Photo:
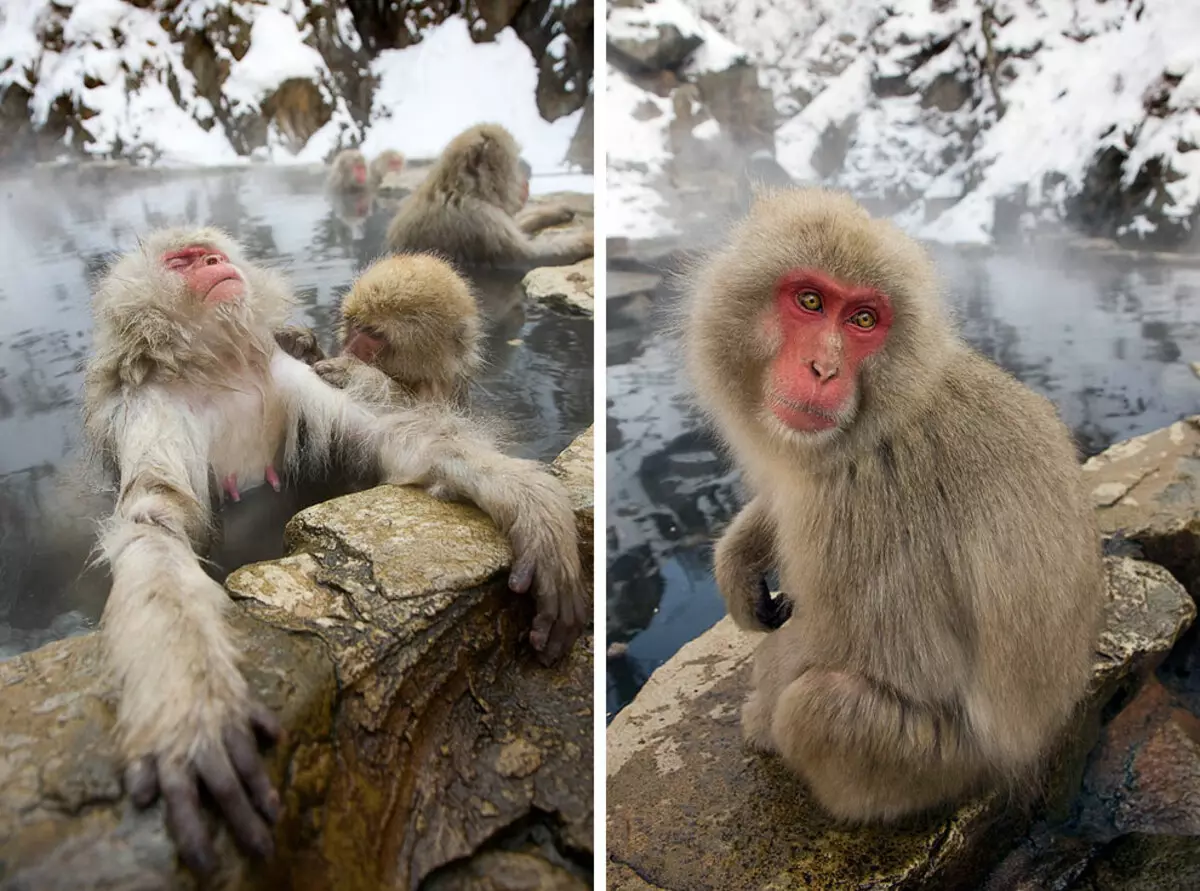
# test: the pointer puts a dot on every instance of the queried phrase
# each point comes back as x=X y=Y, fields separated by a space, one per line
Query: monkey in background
x=348 y=173
x=925 y=512
x=388 y=161
x=465 y=209
x=187 y=384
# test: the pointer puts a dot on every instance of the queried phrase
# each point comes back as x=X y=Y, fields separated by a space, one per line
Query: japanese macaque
x=388 y=161
x=187 y=385
x=410 y=333
x=924 y=510
x=349 y=172
x=465 y=209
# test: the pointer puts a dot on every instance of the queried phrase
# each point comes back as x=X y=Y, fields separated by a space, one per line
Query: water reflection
x=58 y=229
x=1107 y=340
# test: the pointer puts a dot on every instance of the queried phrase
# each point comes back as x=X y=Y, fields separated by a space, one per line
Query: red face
x=360 y=173
x=208 y=273
x=362 y=344
x=395 y=164
x=826 y=328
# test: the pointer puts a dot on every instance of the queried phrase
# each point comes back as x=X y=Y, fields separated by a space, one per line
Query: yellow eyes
x=809 y=300
x=864 y=319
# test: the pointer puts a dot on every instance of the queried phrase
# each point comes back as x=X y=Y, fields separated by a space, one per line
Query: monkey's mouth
x=802 y=416
x=225 y=289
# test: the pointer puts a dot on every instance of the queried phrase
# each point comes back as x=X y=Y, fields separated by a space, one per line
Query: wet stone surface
x=421 y=732
x=690 y=807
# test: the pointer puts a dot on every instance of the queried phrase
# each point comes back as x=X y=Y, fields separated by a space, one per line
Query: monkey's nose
x=824 y=371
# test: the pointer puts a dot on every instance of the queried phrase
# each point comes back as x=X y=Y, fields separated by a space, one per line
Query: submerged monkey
x=925 y=512
x=466 y=209
x=186 y=385
x=387 y=161
x=348 y=173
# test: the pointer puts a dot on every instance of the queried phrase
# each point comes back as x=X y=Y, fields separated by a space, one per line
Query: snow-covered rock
x=211 y=82
x=974 y=120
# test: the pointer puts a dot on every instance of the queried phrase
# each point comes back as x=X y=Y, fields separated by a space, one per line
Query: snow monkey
x=348 y=172
x=388 y=161
x=186 y=384
x=465 y=209
x=924 y=510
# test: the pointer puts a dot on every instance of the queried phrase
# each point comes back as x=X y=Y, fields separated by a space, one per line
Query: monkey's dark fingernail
x=141 y=781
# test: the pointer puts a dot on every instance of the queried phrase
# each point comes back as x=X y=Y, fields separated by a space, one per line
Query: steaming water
x=57 y=229
x=1106 y=340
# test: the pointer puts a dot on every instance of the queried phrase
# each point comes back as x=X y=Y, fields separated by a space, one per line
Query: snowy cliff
x=971 y=120
x=212 y=82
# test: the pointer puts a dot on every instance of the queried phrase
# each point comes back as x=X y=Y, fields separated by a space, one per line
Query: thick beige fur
x=177 y=394
x=381 y=167
x=341 y=172
x=465 y=208
x=939 y=547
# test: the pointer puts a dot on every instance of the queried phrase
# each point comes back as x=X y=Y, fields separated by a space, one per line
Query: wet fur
x=465 y=209
x=940 y=549
x=176 y=396
x=381 y=166
x=341 y=172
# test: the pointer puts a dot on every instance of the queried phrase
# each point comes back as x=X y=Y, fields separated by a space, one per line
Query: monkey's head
x=483 y=162
x=180 y=282
x=349 y=170
x=413 y=317
x=387 y=161
x=815 y=323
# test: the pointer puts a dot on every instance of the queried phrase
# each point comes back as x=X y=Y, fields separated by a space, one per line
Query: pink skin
x=229 y=484
x=395 y=164
x=272 y=478
x=360 y=174
x=208 y=273
x=362 y=346
x=814 y=375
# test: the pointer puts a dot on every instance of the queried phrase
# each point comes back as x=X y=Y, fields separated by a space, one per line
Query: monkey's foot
x=229 y=484
x=233 y=773
x=272 y=477
x=772 y=612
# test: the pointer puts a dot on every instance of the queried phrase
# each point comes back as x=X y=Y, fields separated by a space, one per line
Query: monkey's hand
x=770 y=611
x=299 y=343
x=362 y=382
x=741 y=558
x=186 y=718
x=338 y=371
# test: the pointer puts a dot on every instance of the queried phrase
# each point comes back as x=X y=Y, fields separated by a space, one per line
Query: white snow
x=427 y=92
x=637 y=156
x=430 y=92
x=1075 y=83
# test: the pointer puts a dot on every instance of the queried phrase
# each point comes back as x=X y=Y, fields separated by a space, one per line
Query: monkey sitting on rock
x=924 y=510
x=466 y=209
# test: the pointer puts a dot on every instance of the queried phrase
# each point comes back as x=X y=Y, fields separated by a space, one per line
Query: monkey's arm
x=561 y=249
x=743 y=554
x=535 y=219
x=430 y=445
x=185 y=716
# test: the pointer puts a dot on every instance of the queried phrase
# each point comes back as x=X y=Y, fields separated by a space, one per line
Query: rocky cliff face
x=970 y=120
x=187 y=79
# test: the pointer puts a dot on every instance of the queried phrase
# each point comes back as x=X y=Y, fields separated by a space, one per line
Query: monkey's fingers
x=772 y=612
x=223 y=783
x=185 y=821
x=249 y=766
x=141 y=781
x=520 y=576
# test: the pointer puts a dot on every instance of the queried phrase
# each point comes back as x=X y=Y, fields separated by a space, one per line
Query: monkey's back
x=959 y=561
x=464 y=230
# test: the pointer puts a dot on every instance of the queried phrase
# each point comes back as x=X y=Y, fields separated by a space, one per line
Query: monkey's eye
x=864 y=319
x=809 y=300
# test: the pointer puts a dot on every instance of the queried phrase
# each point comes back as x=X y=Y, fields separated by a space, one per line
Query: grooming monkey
x=465 y=209
x=924 y=510
x=388 y=161
x=410 y=332
x=187 y=384
x=348 y=172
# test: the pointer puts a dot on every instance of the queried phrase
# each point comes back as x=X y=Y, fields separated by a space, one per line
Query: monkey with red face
x=387 y=161
x=348 y=173
x=186 y=385
x=924 y=510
